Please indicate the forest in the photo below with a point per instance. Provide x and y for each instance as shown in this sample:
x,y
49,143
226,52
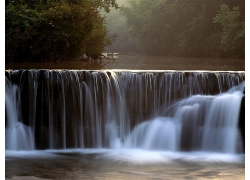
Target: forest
x,y
190,28
51,30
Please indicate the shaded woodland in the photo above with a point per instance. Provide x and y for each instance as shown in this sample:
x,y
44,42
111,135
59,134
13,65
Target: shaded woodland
x,y
52,30
186,28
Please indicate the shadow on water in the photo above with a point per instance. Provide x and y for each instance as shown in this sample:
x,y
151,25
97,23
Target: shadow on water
x,y
89,65
140,62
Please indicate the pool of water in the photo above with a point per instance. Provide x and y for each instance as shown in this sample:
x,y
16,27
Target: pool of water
x,y
122,164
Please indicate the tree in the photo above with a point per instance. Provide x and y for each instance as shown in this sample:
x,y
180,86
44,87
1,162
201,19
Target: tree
x,y
55,30
233,34
181,28
145,19
21,24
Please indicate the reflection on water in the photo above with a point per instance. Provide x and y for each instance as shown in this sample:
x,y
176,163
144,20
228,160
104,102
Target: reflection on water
x,y
122,164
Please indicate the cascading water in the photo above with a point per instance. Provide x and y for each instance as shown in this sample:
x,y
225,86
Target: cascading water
x,y
157,134
17,135
166,111
200,122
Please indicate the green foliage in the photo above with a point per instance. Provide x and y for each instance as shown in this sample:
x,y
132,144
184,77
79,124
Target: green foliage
x,y
21,24
185,28
233,35
55,30
141,18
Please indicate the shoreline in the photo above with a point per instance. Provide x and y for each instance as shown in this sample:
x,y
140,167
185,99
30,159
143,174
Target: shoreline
x,y
140,62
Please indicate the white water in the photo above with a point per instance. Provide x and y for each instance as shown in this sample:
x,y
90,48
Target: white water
x,y
219,132
17,135
137,156
108,111
158,134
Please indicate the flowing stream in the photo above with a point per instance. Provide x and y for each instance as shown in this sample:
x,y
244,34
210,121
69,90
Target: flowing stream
x,y
115,118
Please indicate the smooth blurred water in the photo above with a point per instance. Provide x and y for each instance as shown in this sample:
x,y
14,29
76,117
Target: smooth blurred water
x,y
17,135
122,164
153,126
201,122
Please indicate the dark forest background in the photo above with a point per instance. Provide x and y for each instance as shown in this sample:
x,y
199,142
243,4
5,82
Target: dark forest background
x,y
51,30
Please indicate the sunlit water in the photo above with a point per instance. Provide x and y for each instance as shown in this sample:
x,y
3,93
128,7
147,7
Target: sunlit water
x,y
122,164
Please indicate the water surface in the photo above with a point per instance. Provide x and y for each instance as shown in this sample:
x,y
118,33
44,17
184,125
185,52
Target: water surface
x,y
122,164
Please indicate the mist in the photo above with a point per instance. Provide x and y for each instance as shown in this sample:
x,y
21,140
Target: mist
x,y
187,28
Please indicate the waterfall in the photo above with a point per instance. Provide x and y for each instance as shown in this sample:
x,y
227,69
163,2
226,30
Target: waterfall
x,y
220,126
158,110
18,136
200,122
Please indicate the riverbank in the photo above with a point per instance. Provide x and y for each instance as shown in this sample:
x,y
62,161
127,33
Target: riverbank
x,y
141,62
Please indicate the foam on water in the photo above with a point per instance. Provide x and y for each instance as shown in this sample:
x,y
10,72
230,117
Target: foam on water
x,y
142,156
135,156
